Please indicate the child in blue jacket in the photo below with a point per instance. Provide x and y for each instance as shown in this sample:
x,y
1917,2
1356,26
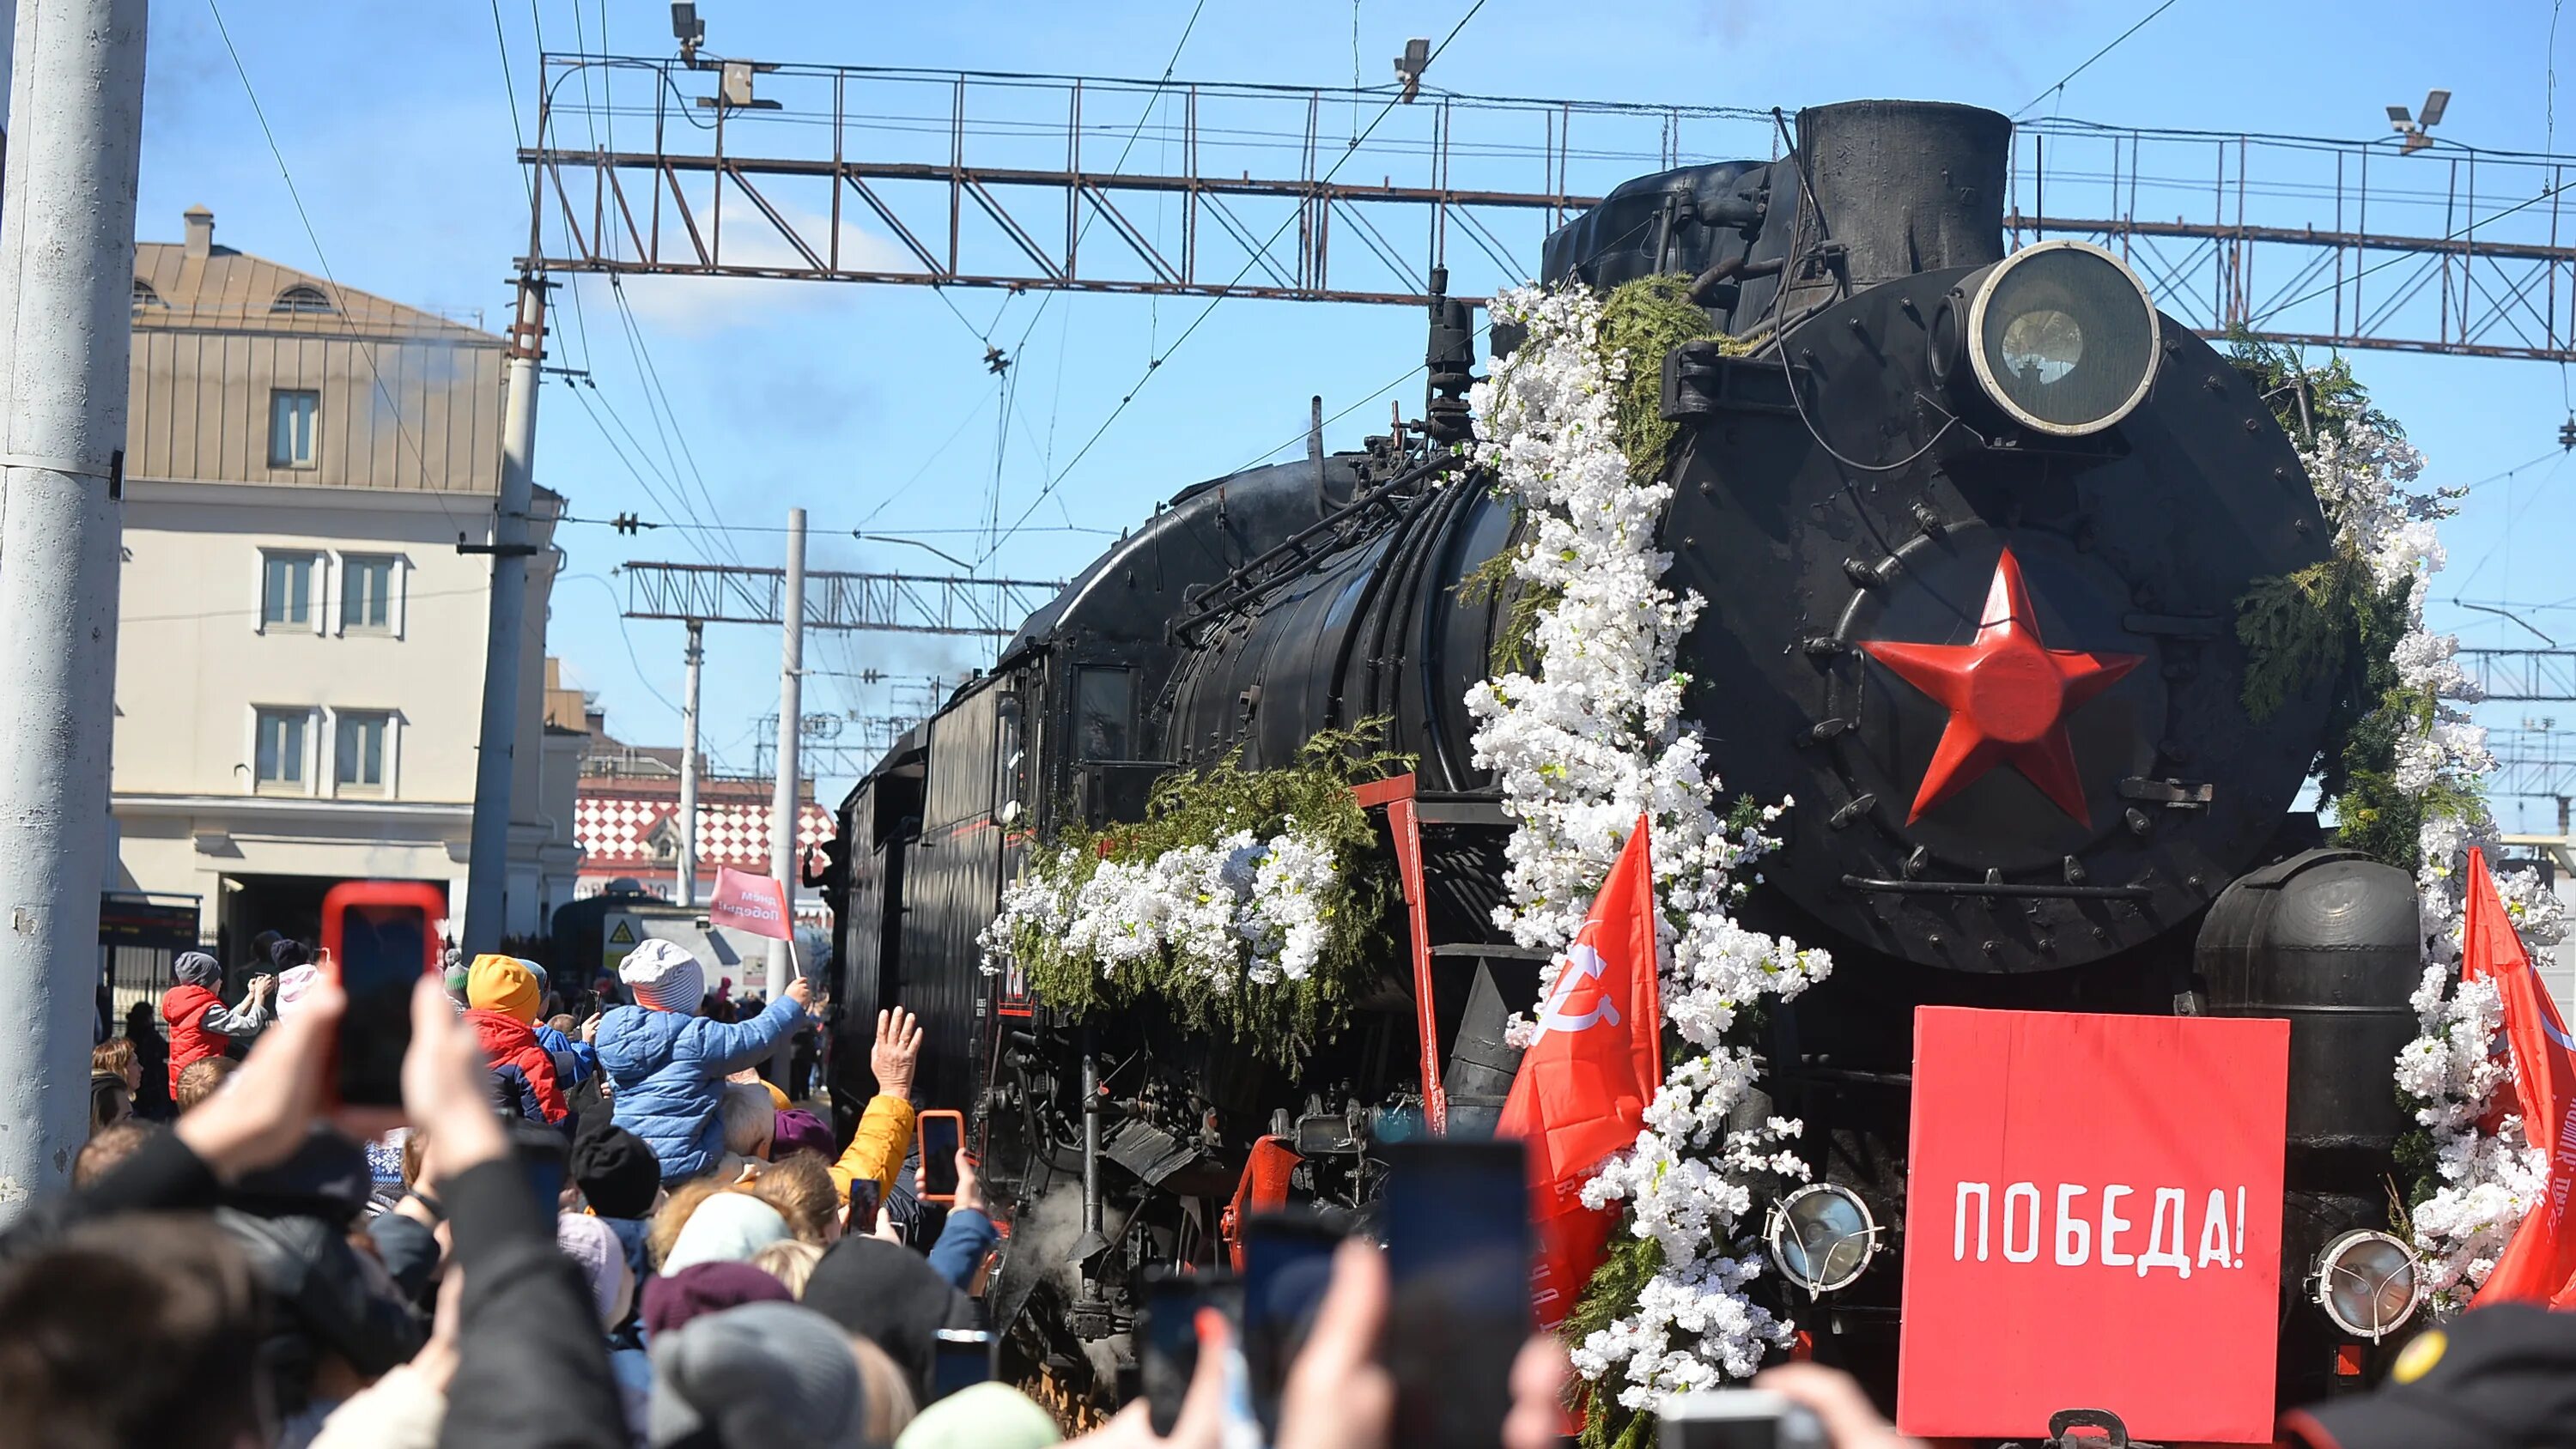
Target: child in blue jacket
x,y
668,1065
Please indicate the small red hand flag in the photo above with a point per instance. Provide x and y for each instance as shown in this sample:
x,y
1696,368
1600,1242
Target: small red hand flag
x,y
753,904
2539,1265
1584,1084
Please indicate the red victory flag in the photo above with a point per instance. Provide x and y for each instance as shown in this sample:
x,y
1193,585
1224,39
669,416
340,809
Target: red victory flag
x,y
750,903
1584,1083
2539,1265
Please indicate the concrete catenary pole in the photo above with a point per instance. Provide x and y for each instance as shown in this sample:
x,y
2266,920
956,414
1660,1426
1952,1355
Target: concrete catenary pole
x,y
696,656
66,286
783,803
487,864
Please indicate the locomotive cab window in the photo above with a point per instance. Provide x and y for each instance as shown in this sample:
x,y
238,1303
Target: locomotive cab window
x,y
1104,713
1009,764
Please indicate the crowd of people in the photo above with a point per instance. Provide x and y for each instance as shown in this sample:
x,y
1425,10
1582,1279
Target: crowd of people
x,y
603,1232
610,1231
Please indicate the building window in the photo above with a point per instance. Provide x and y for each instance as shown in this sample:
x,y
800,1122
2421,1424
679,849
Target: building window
x,y
280,740
144,296
367,584
363,753
287,590
294,420
300,298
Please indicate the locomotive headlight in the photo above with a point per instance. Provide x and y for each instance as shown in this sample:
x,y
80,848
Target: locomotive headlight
x,y
2366,1281
1821,1237
2062,337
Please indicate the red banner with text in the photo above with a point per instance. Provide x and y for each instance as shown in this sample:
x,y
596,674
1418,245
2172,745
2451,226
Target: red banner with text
x,y
2093,1220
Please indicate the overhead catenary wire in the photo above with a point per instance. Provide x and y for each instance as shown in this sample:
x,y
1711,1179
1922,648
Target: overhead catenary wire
x,y
2060,87
364,349
1143,115
1262,251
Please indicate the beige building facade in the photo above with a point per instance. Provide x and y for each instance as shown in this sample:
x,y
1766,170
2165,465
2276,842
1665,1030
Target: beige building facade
x,y
300,644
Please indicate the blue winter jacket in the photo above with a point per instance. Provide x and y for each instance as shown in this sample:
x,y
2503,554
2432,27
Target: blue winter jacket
x,y
582,1057
668,1071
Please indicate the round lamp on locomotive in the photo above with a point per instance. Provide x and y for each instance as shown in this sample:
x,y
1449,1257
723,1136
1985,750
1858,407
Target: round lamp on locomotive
x,y
1821,1237
2367,1282
2059,337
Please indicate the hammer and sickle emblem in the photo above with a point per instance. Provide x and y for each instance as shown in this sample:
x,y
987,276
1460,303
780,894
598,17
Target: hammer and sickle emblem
x,y
1582,964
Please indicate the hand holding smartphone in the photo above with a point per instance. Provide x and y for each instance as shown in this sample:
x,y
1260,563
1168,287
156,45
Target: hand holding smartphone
x,y
1458,1247
1741,1419
963,1356
378,939
1167,1336
941,1132
1287,1266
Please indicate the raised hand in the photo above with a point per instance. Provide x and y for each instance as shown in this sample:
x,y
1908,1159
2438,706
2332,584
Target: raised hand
x,y
261,1117
897,1051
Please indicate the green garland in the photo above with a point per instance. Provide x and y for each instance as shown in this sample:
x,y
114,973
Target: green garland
x,y
1642,321
1282,1020
2330,621
1610,1296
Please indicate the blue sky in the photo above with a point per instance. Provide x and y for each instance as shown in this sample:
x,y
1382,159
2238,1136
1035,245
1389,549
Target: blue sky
x,y
873,404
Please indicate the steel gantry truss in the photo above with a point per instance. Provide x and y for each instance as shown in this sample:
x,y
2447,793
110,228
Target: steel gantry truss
x,y
972,179
2522,674
900,603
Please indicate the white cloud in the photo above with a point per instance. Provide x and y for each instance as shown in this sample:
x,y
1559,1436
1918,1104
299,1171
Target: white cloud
x,y
699,306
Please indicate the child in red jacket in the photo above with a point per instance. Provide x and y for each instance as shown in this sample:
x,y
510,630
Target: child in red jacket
x,y
201,1026
503,994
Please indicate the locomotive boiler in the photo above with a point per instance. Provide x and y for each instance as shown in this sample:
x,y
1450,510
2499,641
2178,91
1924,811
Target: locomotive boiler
x,y
1971,527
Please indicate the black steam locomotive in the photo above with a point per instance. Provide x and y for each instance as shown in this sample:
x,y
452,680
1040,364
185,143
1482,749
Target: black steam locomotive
x,y
1971,528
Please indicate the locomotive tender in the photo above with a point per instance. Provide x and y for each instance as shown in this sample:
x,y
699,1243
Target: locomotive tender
x,y
1971,528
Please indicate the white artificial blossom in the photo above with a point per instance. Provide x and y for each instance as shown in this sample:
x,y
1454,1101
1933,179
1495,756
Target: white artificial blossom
x,y
1584,748
1241,908
2487,1179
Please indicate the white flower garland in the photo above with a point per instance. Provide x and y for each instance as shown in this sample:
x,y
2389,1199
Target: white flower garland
x,y
1239,908
2488,1180
1581,752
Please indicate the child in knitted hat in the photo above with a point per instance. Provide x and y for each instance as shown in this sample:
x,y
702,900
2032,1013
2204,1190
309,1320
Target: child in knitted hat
x,y
503,993
668,1065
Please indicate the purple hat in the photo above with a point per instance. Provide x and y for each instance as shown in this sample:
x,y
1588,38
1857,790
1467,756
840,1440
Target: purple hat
x,y
799,1131
675,1298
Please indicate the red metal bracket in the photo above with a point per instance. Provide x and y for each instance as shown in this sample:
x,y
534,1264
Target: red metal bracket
x,y
1404,830
1264,1187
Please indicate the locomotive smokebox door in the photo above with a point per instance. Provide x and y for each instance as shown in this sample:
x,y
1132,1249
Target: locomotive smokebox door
x,y
1989,649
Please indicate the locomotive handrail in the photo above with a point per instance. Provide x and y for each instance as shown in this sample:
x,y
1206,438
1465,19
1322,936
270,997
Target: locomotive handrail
x,y
1242,586
2035,890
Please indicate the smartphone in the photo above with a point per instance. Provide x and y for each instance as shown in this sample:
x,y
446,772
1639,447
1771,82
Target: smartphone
x,y
378,939
1458,1250
941,1133
1287,1265
1740,1419
544,1159
963,1356
1167,1334
860,1218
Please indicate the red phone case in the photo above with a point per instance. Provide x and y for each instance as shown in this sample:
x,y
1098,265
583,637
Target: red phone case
x,y
337,903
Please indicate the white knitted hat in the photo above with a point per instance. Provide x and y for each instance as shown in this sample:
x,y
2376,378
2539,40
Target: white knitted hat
x,y
664,976
727,1228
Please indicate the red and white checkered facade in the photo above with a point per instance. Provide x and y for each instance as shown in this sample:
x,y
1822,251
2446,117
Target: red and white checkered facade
x,y
616,822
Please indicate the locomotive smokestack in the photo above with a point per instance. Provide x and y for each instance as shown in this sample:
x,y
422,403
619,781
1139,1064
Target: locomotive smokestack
x,y
1901,187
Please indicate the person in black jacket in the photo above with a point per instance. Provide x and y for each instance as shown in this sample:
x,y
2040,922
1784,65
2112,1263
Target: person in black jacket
x,y
532,1369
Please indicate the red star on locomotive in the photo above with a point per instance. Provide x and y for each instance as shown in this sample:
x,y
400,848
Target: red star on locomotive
x,y
2008,694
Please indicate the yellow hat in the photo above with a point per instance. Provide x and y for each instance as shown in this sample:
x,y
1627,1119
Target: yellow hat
x,y
504,984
